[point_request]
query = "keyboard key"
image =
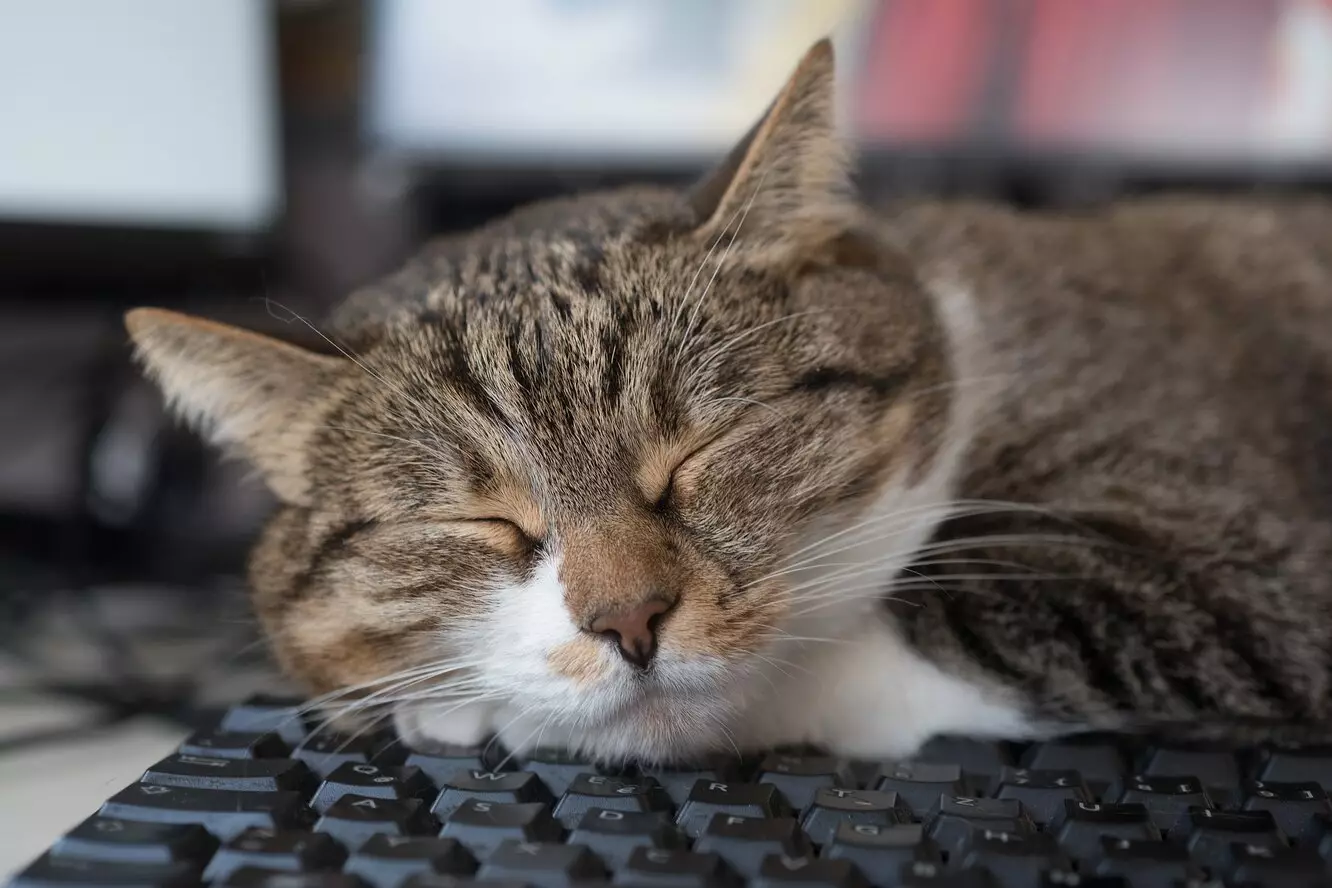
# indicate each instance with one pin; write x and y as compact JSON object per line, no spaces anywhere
{"x":482,"y":825}
{"x":1318,"y":835}
{"x":980,"y":760}
{"x":744,"y":842}
{"x":923,"y":874}
{"x":673,"y":867}
{"x":679,"y":782}
{"x":834,"y":807}
{"x":353,"y":819}
{"x":1310,"y":764}
{"x":440,"y":761}
{"x":262,"y":713}
{"x":1146,"y":864}
{"x":223,"y":813}
{"x":556,"y":768}
{"x":541,"y":864}
{"x":1292,"y":805}
{"x":1015,"y":861}
{"x":436,"y":881}
{"x":957,"y":819}
{"x":497,"y":787}
{"x":919,"y":784}
{"x":48,"y":871}
{"x":613,"y":835}
{"x":1081,"y":826}
{"x":128,"y":841}
{"x":241,"y":775}
{"x":1062,"y":878}
{"x":287,"y":851}
{"x":255,"y":877}
{"x":370,"y":781}
{"x":1042,"y":793}
{"x":235,"y":744}
{"x":739,"y":799}
{"x":1218,"y":771}
{"x":632,"y":795}
{"x":1166,"y":798}
{"x":879,"y":850}
{"x":799,"y":872}
{"x":1258,"y":865}
{"x":1208,"y":834}
{"x":1096,"y":759}
{"x":323,"y":753}
{"x":800,"y":777}
{"x":391,"y":860}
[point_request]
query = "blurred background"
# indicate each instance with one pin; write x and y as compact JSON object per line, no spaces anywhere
{"x":253,"y":160}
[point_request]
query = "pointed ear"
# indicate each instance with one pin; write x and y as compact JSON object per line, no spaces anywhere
{"x":791,"y":172}
{"x":257,"y":396}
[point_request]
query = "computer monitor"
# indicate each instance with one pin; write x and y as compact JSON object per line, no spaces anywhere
{"x":1182,"y":84}
{"x":144,"y":114}
{"x":582,"y":82}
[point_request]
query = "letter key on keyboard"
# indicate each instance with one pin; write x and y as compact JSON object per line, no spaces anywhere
{"x":353,"y":819}
{"x":919,"y":784}
{"x":834,"y":807}
{"x":744,"y":842}
{"x":741,"y":799}
{"x":483,"y":825}
{"x":391,"y":860}
{"x":498,"y":787}
{"x":370,"y":781}
{"x":541,"y":864}
{"x":588,"y":791}
{"x":1081,"y":826}
{"x":800,"y":777}
{"x":613,"y":835}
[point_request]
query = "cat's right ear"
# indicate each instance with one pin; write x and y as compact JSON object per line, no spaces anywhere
{"x":257,"y":396}
{"x":789,"y":179}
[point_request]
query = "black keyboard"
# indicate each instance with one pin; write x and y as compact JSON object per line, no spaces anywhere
{"x":260,"y":802}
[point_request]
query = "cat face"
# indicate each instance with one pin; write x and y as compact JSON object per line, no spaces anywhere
{"x":578,"y":465}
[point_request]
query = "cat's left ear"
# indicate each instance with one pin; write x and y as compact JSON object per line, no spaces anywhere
{"x":256,"y":396}
{"x":790,"y":178}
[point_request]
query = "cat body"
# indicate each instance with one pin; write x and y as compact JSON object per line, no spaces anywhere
{"x":651,"y":473}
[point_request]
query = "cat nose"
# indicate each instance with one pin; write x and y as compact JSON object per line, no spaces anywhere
{"x":635,"y":629}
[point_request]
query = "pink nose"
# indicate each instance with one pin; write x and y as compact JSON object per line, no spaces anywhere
{"x":635,"y":629}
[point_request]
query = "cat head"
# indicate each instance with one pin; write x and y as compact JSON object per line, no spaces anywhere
{"x":596,"y":461}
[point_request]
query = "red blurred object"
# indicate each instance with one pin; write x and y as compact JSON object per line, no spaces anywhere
{"x":924,"y":69}
{"x":1177,"y":79}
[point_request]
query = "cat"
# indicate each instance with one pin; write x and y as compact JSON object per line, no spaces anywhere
{"x":655,"y":473}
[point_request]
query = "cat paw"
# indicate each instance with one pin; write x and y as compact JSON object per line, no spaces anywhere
{"x":422,"y":726}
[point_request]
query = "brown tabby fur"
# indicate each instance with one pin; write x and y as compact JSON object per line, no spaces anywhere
{"x":1166,"y":383}
{"x":668,"y":395}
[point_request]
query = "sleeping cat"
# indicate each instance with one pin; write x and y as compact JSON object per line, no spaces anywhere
{"x":652,"y":473}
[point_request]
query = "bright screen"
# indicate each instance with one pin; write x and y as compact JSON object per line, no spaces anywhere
{"x":156,"y":113}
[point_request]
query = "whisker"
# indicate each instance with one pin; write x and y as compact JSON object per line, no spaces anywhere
{"x":693,"y":317}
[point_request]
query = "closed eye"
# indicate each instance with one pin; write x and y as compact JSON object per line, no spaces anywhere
{"x":664,"y":500}
{"x":496,"y":523}
{"x":650,"y":475}
{"x":667,"y":495}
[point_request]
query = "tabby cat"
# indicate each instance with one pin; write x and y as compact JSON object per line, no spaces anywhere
{"x":651,"y":473}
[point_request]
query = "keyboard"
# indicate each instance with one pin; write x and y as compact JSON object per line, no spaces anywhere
{"x":261,"y":800}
